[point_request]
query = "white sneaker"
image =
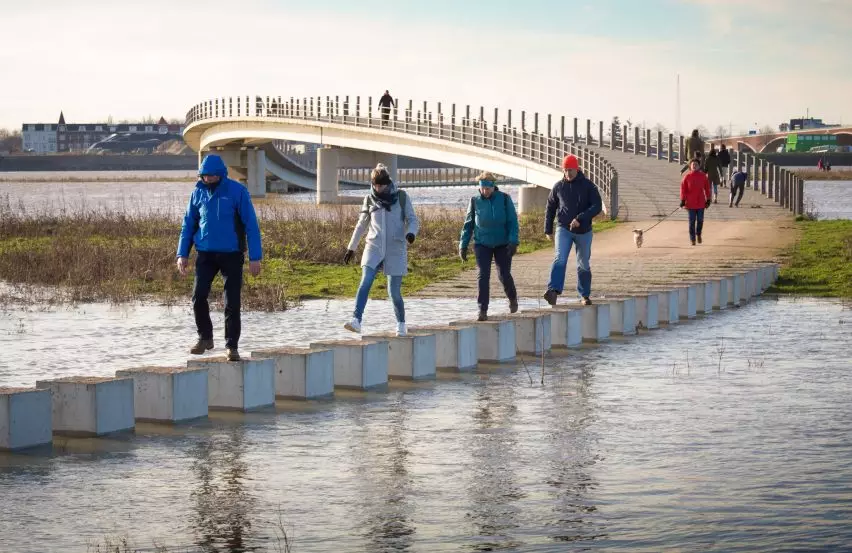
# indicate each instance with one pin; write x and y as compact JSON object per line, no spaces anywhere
{"x":353,"y":326}
{"x":401,"y":330}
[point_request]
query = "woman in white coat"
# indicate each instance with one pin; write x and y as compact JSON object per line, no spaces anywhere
{"x":388,"y":219}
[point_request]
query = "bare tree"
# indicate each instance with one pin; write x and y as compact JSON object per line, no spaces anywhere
{"x":703,"y":132}
{"x":659,"y":127}
{"x":722,"y":132}
{"x":767,"y":129}
{"x":10,"y":141}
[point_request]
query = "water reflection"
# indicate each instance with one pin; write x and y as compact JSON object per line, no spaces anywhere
{"x":381,"y":455}
{"x":493,"y":490}
{"x":573,"y":454}
{"x":221,"y":518}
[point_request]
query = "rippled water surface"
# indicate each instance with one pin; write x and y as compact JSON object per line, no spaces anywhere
{"x":728,"y":433}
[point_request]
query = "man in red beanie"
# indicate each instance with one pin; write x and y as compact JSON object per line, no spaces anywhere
{"x":695,"y":196}
{"x":573,"y":203}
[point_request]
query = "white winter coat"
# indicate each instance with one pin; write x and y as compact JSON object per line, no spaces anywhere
{"x":386,"y":232}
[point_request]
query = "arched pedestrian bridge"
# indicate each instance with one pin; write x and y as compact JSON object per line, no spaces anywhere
{"x":637,"y":180}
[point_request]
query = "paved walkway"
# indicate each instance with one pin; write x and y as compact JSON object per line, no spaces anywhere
{"x":665,"y":258}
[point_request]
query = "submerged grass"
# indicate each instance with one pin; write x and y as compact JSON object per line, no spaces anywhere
{"x":118,"y":256}
{"x":820,"y":264}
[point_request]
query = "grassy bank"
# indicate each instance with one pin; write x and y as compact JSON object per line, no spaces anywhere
{"x":104,"y":255}
{"x":813,"y":174}
{"x":820,"y":264}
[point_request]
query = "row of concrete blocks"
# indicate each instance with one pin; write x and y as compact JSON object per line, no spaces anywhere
{"x":96,"y":406}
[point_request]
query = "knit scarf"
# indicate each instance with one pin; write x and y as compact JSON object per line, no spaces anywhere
{"x":385,"y":199}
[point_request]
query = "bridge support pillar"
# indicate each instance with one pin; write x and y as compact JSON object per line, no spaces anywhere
{"x":327,"y":166}
{"x":532,"y":198}
{"x":256,"y":172}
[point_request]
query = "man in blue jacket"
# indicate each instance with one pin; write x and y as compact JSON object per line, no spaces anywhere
{"x":219,"y":220}
{"x":574,"y":201}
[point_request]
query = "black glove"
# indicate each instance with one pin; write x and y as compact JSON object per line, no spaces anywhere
{"x":410,"y":238}
{"x":463,"y":254}
{"x":682,"y":203}
{"x":347,"y":257}
{"x":707,"y":204}
{"x":512,"y":249}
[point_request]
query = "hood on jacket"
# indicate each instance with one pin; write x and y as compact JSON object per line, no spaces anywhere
{"x":213,"y":165}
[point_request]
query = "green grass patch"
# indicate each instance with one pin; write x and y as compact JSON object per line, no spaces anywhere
{"x":820,"y":264}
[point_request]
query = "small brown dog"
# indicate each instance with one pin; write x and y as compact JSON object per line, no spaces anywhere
{"x":637,"y":237}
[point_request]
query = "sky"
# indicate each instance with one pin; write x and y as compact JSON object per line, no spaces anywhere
{"x":741,"y":63}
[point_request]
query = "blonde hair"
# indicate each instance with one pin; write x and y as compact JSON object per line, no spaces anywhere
{"x":486,"y":175}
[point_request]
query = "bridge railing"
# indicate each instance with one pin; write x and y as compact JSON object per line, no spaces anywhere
{"x":545,"y":149}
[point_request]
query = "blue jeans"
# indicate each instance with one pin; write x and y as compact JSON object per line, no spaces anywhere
{"x":368,"y":275}
{"x":583,"y":243}
{"x":696,"y":222}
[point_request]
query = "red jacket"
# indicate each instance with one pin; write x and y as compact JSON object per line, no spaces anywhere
{"x":695,"y":189}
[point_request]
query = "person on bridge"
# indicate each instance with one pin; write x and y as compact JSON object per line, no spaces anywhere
{"x":221,"y":223}
{"x":738,"y":182}
{"x":695,"y":196}
{"x":386,"y":102}
{"x":712,"y":168}
{"x":724,"y":163}
{"x":694,"y":149}
{"x":573,"y":202}
{"x":493,"y":222}
{"x":390,"y":222}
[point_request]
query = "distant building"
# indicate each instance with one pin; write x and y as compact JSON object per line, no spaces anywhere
{"x":48,"y":138}
{"x":804,"y":123}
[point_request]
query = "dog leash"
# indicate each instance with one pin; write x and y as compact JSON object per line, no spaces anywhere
{"x":663,"y":219}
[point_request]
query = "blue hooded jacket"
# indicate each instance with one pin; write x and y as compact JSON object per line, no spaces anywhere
{"x":214,"y":214}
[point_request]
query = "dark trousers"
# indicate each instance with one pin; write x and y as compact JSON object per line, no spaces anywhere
{"x":696,"y":222}
{"x":385,"y":115}
{"x":736,"y":191}
{"x":501,"y":256}
{"x":207,"y":265}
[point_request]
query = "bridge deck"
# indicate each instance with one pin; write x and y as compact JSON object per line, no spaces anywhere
{"x":648,"y":187}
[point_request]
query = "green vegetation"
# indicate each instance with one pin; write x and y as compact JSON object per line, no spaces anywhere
{"x":104,"y":255}
{"x":820,"y":264}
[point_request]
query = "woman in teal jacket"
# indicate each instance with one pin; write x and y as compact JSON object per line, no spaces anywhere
{"x":493,"y":223}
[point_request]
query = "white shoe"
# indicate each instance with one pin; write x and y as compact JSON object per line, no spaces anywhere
{"x":353,"y":326}
{"x":401,"y":330}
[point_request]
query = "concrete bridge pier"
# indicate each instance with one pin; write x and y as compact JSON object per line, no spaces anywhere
{"x":330,"y":160}
{"x":256,"y":172}
{"x":247,"y":165}
{"x":532,"y":198}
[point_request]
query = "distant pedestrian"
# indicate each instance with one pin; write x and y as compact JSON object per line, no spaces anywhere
{"x":694,"y":147}
{"x":738,"y":182}
{"x":820,"y":164}
{"x":493,"y":222}
{"x":711,"y":167}
{"x":386,"y":102}
{"x":724,"y":163}
{"x":220,"y":221}
{"x":388,"y":219}
{"x":695,"y":196}
{"x":573,"y":202}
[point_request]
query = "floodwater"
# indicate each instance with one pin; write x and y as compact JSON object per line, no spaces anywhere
{"x":829,"y":199}
{"x":160,"y":191}
{"x":728,"y":433}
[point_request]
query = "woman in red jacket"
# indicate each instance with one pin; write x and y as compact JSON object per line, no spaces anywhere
{"x":695,"y":196}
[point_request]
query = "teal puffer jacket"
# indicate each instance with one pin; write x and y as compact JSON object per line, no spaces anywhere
{"x":492,"y":222}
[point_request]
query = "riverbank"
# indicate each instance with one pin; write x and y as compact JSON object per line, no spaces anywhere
{"x":110,"y":255}
{"x":813,"y":174}
{"x":820,"y":263}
